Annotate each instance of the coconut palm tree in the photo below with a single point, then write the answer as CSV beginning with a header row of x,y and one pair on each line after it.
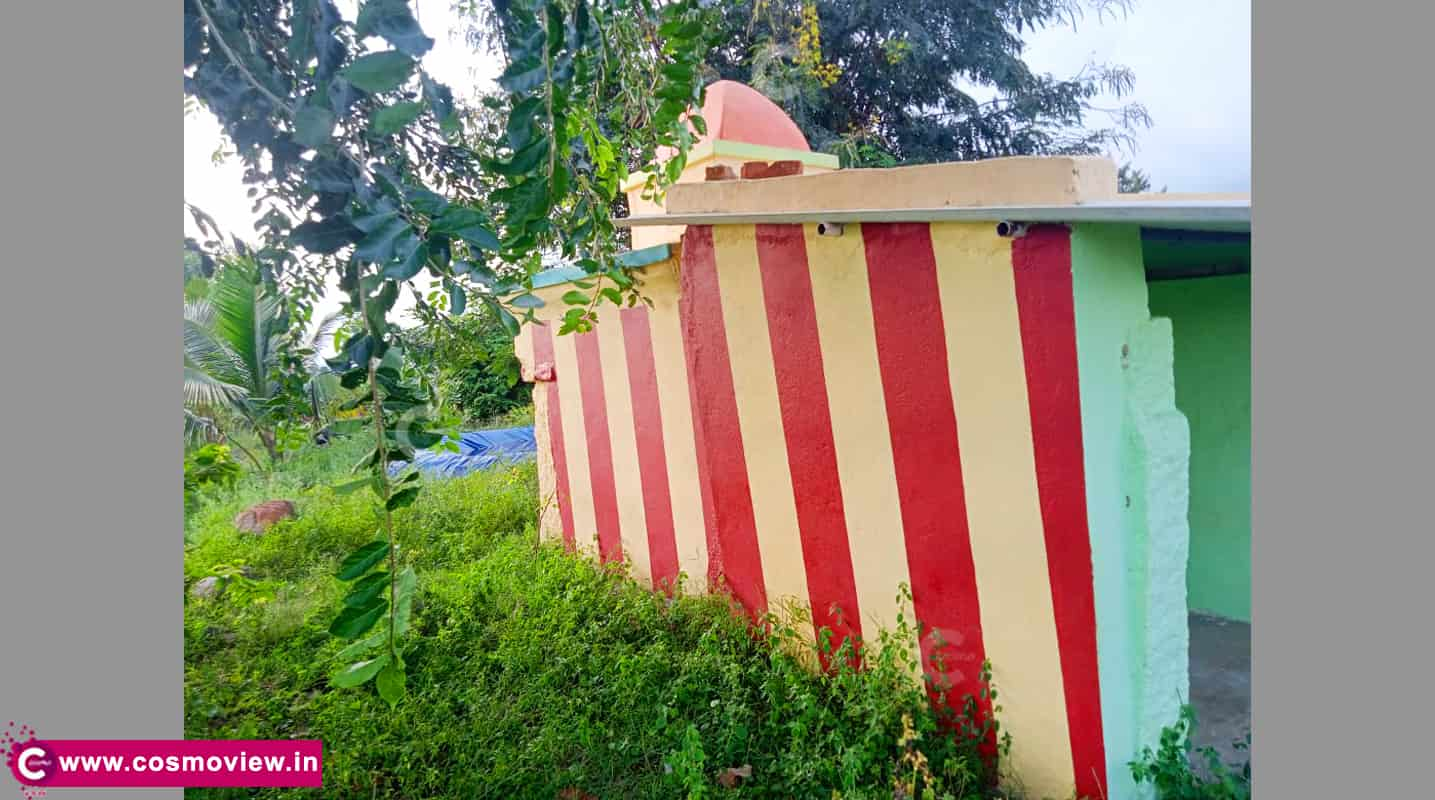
x,y
231,352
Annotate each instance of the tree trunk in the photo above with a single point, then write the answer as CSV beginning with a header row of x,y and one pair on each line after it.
x,y
267,437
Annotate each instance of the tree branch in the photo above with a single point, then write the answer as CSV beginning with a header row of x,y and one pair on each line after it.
x,y
234,59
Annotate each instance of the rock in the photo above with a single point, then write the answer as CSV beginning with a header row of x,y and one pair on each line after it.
x,y
731,776
206,588
257,520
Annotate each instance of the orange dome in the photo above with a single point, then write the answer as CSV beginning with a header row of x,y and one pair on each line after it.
x,y
737,112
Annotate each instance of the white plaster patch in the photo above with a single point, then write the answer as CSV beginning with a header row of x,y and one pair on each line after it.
x,y
1157,456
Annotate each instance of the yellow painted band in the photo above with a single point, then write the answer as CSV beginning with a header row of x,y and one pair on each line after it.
x,y
842,301
675,405
988,380
784,570
618,397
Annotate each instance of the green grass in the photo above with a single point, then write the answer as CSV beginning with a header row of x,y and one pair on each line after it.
x,y
533,672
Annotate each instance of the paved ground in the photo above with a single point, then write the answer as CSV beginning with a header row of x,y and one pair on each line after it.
x,y
1221,683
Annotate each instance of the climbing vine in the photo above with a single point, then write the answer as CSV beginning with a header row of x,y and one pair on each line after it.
x,y
365,167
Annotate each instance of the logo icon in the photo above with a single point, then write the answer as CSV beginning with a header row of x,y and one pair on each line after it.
x,y
31,761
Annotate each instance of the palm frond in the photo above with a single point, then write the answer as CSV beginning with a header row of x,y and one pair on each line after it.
x,y
239,322
323,335
204,393
199,311
203,351
198,429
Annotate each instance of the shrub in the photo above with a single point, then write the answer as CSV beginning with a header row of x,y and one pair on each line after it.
x,y
210,465
1169,769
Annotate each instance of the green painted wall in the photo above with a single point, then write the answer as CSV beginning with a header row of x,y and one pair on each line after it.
x,y
1109,292
1211,320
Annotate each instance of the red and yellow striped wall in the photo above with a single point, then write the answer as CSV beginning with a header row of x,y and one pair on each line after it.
x,y
819,419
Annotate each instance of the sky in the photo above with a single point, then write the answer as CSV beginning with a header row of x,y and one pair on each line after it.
x,y
1192,63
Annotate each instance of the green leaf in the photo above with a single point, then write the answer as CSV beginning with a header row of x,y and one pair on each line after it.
x,y
384,300
366,589
509,323
524,160
368,223
529,200
427,202
678,73
394,118
358,349
313,125
440,252
520,122
523,75
392,20
363,646
328,175
457,299
422,438
527,301
301,40
353,621
380,244
440,98
402,498
325,237
380,72
467,224
403,609
575,298
354,378
359,673
411,255
352,486
342,95
391,683
362,559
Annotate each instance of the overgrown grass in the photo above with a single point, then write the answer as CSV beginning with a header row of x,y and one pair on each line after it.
x,y
513,418
534,673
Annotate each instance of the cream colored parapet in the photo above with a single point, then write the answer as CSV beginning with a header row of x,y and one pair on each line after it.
x,y
995,182
1187,197
711,153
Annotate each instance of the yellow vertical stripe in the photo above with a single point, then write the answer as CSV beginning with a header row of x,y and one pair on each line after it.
x,y
988,378
679,447
618,397
755,383
575,442
843,304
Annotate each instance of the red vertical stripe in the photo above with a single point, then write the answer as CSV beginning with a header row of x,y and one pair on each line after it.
x,y
1042,264
652,456
807,429
912,357
600,447
543,354
722,462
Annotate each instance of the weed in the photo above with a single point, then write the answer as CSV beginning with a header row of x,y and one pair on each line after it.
x,y
1170,771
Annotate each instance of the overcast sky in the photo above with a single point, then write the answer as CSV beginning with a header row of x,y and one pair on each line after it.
x,y
1192,62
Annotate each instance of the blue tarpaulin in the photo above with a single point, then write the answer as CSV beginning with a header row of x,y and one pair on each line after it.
x,y
476,450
